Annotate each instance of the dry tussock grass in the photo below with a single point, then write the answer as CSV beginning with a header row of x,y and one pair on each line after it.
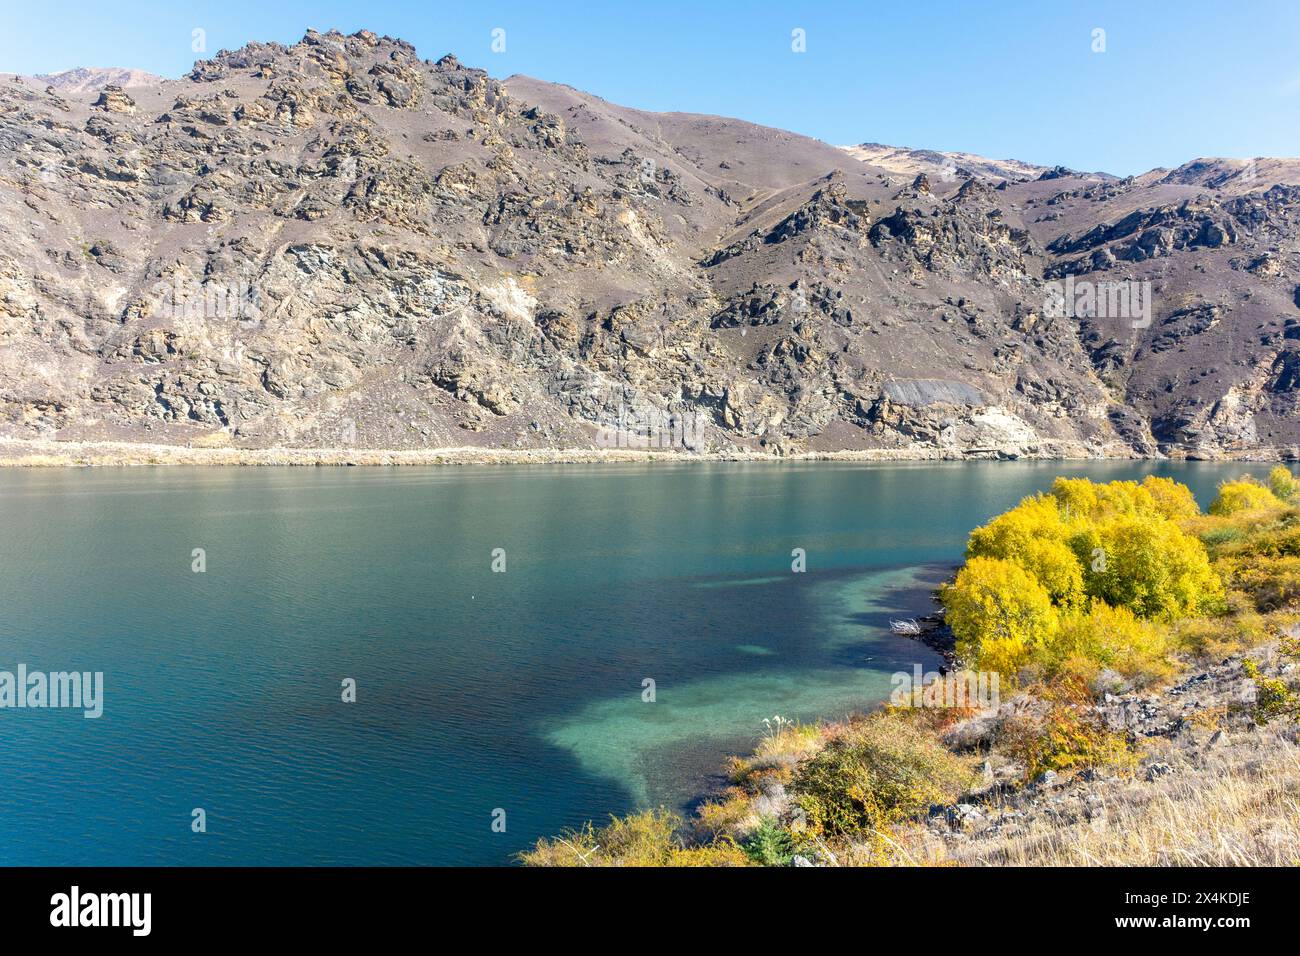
x,y
1240,806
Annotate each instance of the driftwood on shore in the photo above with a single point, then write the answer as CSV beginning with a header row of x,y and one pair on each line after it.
x,y
932,631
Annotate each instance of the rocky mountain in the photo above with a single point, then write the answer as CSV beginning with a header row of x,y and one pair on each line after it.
x,y
338,243
89,79
1228,177
938,164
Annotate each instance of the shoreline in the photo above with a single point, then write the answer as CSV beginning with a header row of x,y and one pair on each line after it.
x,y
1112,745
48,453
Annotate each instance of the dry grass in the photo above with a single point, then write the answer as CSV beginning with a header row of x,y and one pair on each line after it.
x,y
649,838
1239,807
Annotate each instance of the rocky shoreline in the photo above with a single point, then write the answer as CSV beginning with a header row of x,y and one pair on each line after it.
x,y
938,636
1199,755
42,453
1190,737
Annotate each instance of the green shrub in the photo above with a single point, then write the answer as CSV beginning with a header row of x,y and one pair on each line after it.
x,y
1217,537
879,771
770,844
1273,698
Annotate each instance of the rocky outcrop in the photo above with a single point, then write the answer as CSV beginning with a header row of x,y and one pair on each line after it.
x,y
114,100
1187,737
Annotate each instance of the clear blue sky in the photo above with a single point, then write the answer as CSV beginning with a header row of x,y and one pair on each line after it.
x,y
1005,79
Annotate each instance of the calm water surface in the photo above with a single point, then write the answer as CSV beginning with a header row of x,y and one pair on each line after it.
x,y
476,690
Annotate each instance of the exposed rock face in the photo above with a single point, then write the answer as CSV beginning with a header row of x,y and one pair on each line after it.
x,y
113,100
339,243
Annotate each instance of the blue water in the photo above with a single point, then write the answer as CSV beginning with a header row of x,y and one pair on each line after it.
x,y
477,691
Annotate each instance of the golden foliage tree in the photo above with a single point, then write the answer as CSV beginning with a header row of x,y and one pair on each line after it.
x,y
1033,535
999,614
1282,483
1075,576
1244,494
1148,565
1171,499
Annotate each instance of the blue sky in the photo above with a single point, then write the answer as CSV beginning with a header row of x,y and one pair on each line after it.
x,y
1007,79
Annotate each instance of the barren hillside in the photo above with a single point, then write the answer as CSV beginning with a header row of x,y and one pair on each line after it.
x,y
339,243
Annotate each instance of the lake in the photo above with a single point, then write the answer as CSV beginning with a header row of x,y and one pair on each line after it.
x,y
477,690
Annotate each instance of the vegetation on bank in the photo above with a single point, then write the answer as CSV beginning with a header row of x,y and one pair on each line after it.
x,y
1070,595
1082,579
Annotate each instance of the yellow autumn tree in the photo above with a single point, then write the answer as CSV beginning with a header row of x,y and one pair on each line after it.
x,y
1111,637
1244,494
1171,499
1033,535
1083,500
1282,483
1081,578
1148,565
999,614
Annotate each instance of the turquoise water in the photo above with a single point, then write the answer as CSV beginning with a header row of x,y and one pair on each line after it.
x,y
477,691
